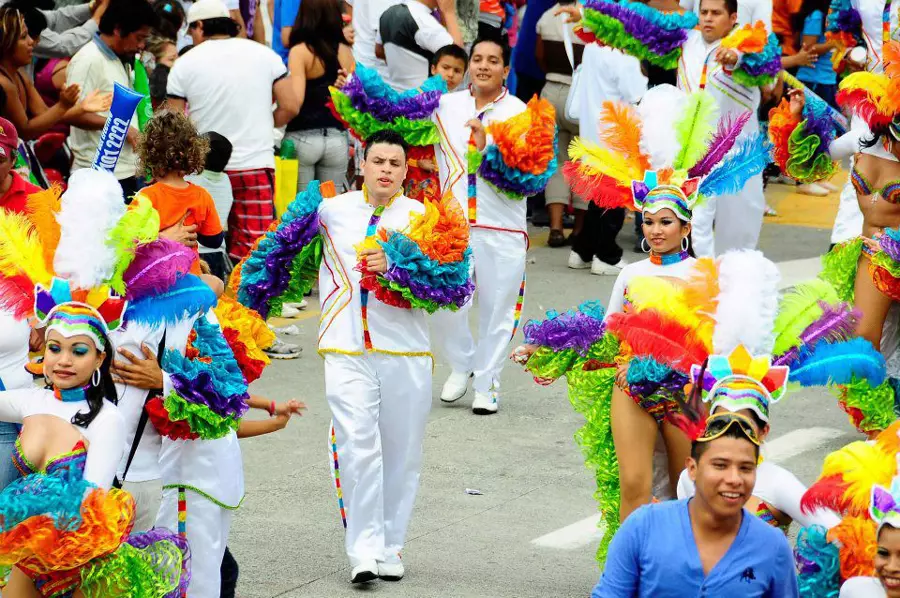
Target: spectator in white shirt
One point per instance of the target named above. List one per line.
(366, 17)
(408, 36)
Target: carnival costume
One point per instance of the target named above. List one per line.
(372, 333)
(61, 523)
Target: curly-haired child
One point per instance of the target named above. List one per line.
(170, 149)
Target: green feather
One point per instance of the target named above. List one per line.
(694, 129)
(138, 226)
(799, 308)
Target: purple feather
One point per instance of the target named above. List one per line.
(837, 323)
(570, 330)
(729, 129)
(658, 39)
(156, 267)
(416, 107)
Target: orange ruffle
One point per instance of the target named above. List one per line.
(442, 232)
(526, 141)
(884, 282)
(781, 124)
(244, 326)
(749, 39)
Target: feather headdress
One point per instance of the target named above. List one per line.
(875, 97)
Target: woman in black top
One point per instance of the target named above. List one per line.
(318, 51)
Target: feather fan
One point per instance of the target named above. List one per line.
(749, 159)
(650, 334)
(839, 363)
(798, 308)
(186, 297)
(727, 132)
(701, 290)
(139, 225)
(603, 161)
(748, 302)
(837, 323)
(658, 138)
(20, 249)
(156, 267)
(826, 493)
(694, 129)
(667, 298)
(620, 131)
(42, 208)
(860, 465)
(17, 296)
(91, 207)
(600, 189)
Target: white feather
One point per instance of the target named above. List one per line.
(658, 139)
(90, 208)
(748, 303)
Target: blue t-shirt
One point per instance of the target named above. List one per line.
(653, 555)
(822, 71)
(285, 15)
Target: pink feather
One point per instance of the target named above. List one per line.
(156, 267)
(729, 129)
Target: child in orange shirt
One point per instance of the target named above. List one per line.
(170, 149)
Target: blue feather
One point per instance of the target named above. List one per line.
(189, 296)
(839, 363)
(749, 159)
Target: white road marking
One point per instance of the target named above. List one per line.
(584, 532)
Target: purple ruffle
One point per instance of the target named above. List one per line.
(890, 246)
(770, 68)
(288, 238)
(571, 330)
(822, 127)
(142, 540)
(659, 40)
(417, 107)
(845, 20)
(673, 383)
(201, 390)
(443, 296)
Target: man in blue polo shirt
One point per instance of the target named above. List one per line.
(707, 546)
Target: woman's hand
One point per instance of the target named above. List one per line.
(181, 233)
(138, 372)
(523, 353)
(342, 77)
(290, 408)
(872, 244)
(96, 102)
(798, 100)
(376, 261)
(69, 95)
(622, 377)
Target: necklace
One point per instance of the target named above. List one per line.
(669, 259)
(71, 395)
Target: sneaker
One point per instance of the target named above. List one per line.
(292, 330)
(289, 312)
(299, 306)
(455, 387)
(813, 189)
(283, 350)
(364, 572)
(601, 268)
(576, 263)
(557, 238)
(392, 571)
(485, 403)
(770, 211)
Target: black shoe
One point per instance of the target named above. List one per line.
(557, 238)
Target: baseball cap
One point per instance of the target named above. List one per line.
(207, 9)
(9, 138)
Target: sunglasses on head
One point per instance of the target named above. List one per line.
(719, 423)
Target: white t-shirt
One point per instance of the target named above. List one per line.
(366, 15)
(606, 74)
(219, 186)
(409, 35)
(95, 66)
(184, 39)
(863, 587)
(14, 335)
(550, 28)
(227, 84)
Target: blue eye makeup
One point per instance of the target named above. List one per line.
(80, 350)
(53, 348)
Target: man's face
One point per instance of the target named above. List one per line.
(451, 71)
(7, 159)
(133, 42)
(725, 475)
(384, 169)
(715, 21)
(486, 67)
(195, 30)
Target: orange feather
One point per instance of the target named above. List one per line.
(620, 131)
(41, 209)
(857, 553)
(702, 288)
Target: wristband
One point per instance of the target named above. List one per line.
(271, 409)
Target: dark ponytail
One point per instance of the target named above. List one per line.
(96, 394)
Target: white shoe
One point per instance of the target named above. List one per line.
(455, 387)
(576, 263)
(601, 268)
(391, 571)
(828, 186)
(303, 304)
(812, 189)
(364, 572)
(289, 312)
(485, 403)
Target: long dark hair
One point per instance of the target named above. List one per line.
(807, 8)
(96, 394)
(320, 26)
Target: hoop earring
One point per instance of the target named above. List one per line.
(684, 243)
(647, 250)
(95, 378)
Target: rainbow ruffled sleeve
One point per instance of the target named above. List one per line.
(637, 29)
(844, 26)
(209, 391)
(247, 335)
(522, 157)
(284, 263)
(801, 146)
(429, 265)
(760, 55)
(366, 104)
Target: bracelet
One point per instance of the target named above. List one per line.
(271, 409)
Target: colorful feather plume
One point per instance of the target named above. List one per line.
(839, 363)
(837, 323)
(749, 159)
(760, 55)
(748, 303)
(21, 252)
(667, 298)
(576, 329)
(620, 131)
(872, 96)
(798, 308)
(139, 225)
(727, 132)
(701, 291)
(17, 295)
(694, 129)
(651, 334)
(156, 267)
(42, 208)
(856, 536)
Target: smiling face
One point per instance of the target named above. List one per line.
(486, 68)
(24, 50)
(70, 362)
(715, 20)
(664, 231)
(887, 560)
(724, 475)
(384, 170)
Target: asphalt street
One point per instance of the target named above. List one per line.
(530, 532)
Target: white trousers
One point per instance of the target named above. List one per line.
(737, 220)
(379, 405)
(499, 280)
(848, 223)
(147, 496)
(207, 526)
